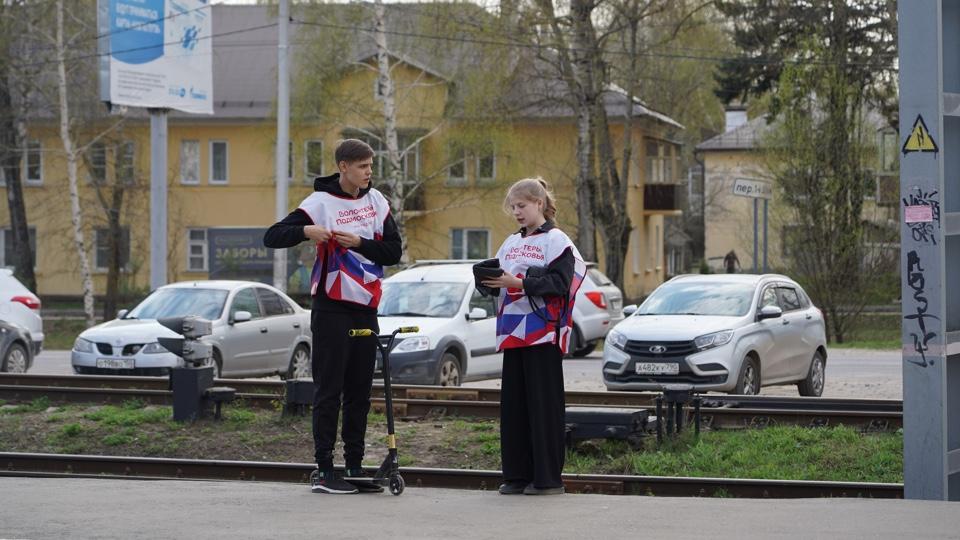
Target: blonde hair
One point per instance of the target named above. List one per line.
(532, 189)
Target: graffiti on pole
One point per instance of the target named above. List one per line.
(916, 280)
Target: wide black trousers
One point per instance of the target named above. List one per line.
(342, 366)
(532, 428)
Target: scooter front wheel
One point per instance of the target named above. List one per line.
(396, 484)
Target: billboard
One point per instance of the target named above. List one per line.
(238, 253)
(159, 54)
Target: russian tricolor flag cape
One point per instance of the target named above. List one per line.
(349, 276)
(520, 322)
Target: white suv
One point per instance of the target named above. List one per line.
(20, 306)
(725, 332)
(457, 341)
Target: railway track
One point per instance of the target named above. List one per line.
(718, 412)
(141, 468)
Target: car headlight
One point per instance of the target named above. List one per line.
(153, 348)
(616, 339)
(82, 345)
(715, 339)
(414, 344)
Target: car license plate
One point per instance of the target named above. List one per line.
(657, 368)
(115, 363)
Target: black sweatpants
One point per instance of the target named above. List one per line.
(532, 427)
(344, 366)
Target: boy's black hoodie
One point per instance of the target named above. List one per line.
(289, 232)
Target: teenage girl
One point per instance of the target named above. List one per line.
(542, 272)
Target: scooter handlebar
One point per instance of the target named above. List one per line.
(360, 332)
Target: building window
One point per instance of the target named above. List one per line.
(457, 171)
(312, 160)
(197, 250)
(289, 161)
(126, 162)
(470, 244)
(7, 239)
(486, 169)
(218, 162)
(190, 162)
(97, 161)
(33, 164)
(102, 245)
(889, 153)
(409, 164)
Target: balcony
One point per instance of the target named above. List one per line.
(661, 197)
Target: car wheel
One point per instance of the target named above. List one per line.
(448, 370)
(216, 362)
(300, 364)
(585, 350)
(15, 360)
(748, 383)
(812, 385)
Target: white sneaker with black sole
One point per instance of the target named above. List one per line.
(327, 482)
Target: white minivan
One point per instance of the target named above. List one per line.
(457, 340)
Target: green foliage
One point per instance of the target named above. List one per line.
(819, 154)
(129, 415)
(837, 453)
(71, 430)
(125, 436)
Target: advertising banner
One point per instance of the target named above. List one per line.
(238, 253)
(160, 54)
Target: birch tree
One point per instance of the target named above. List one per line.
(73, 156)
(334, 52)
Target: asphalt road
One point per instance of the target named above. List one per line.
(850, 373)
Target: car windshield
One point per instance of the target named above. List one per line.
(421, 299)
(699, 298)
(180, 302)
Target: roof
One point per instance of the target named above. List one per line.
(748, 279)
(221, 284)
(745, 137)
(245, 58)
(459, 273)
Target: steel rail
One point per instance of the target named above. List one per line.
(143, 468)
(626, 399)
(723, 417)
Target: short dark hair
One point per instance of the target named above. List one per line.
(351, 150)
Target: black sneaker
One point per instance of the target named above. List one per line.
(512, 488)
(361, 481)
(327, 482)
(534, 490)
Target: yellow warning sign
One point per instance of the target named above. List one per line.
(919, 139)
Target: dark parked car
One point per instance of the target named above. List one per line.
(18, 348)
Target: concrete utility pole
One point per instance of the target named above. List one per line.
(158, 198)
(929, 45)
(283, 138)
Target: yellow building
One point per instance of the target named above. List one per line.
(221, 174)
(736, 155)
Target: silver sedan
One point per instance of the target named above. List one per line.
(257, 331)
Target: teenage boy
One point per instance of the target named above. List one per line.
(356, 237)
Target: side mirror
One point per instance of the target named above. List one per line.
(241, 316)
(477, 314)
(630, 310)
(122, 313)
(769, 312)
